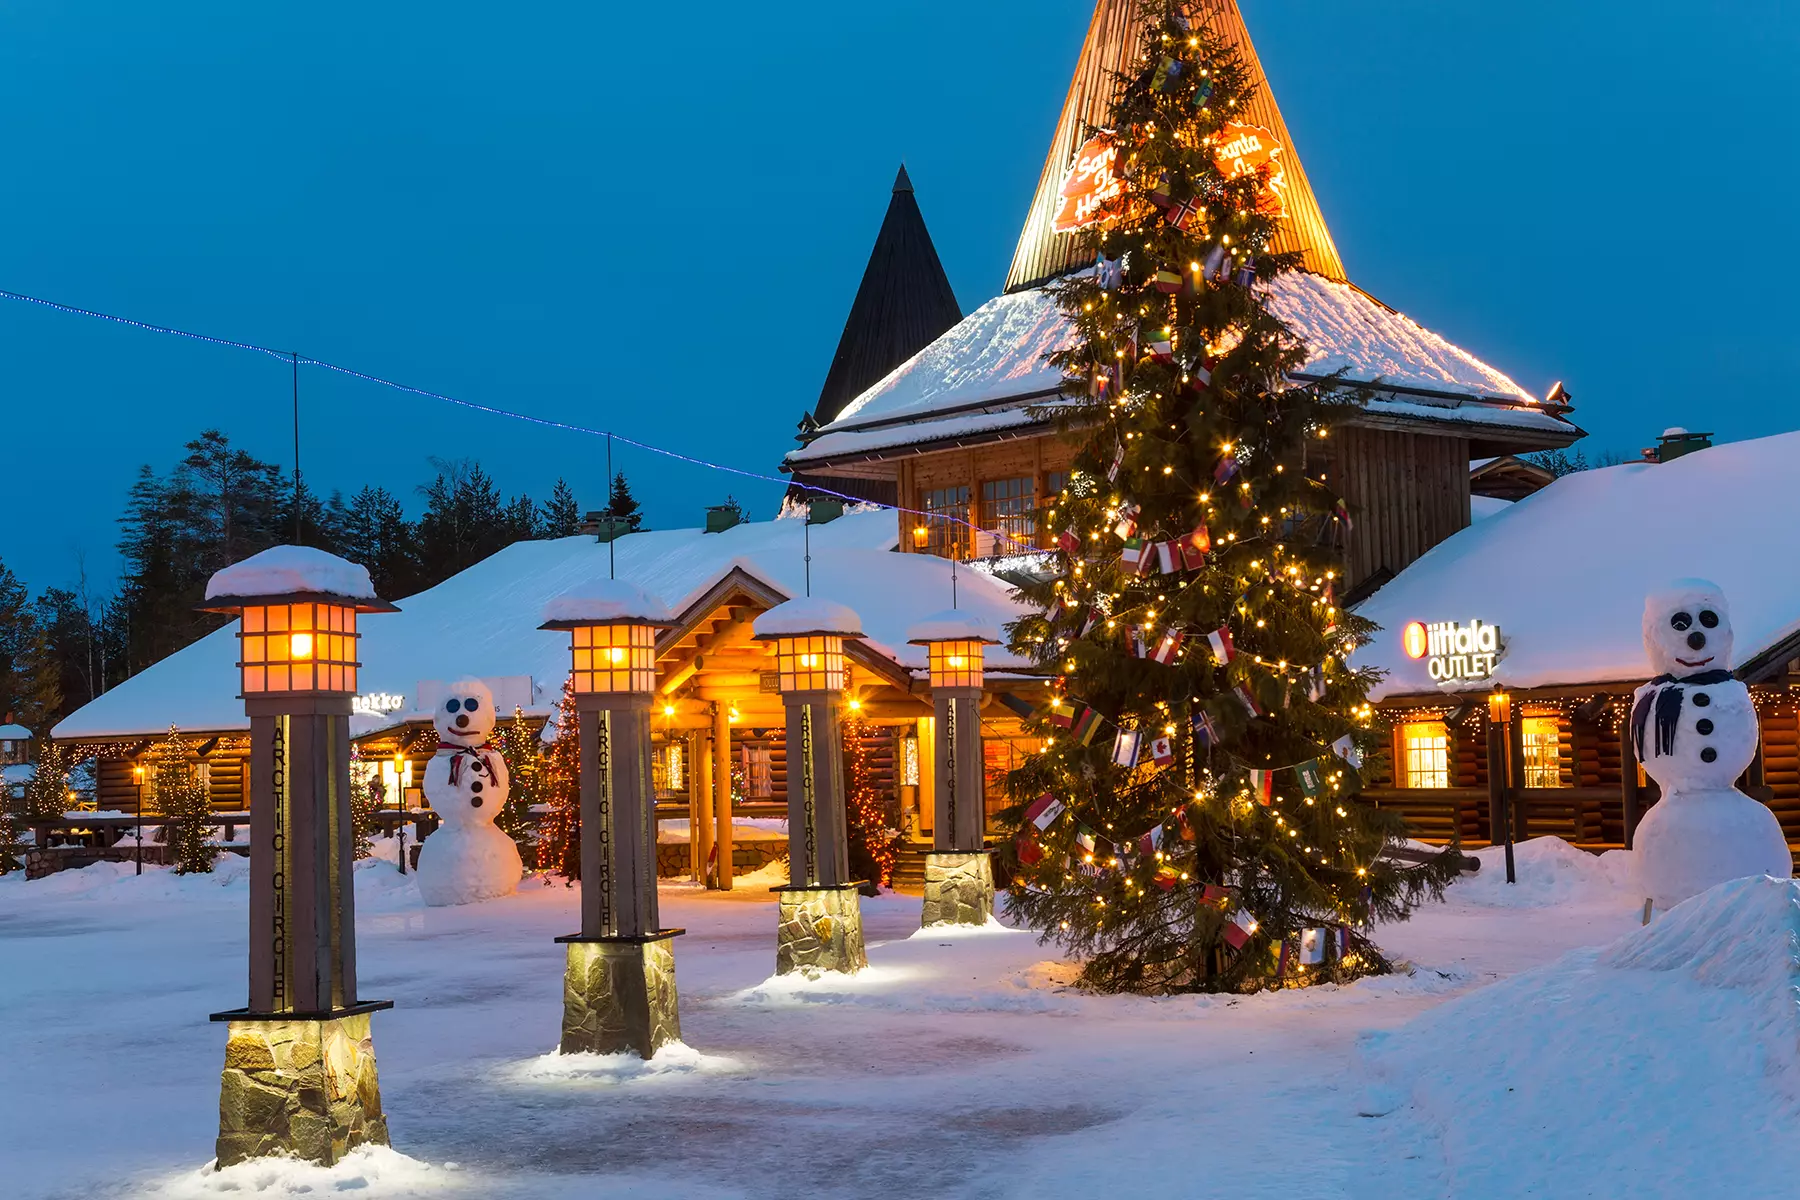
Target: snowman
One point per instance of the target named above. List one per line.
(467, 859)
(1695, 731)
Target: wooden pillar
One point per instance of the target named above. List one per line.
(959, 808)
(700, 786)
(928, 777)
(618, 817)
(818, 842)
(721, 780)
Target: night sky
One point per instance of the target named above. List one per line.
(604, 214)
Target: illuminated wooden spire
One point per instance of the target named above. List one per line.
(1111, 39)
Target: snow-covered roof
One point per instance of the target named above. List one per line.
(978, 378)
(806, 615)
(951, 625)
(484, 621)
(14, 733)
(1483, 507)
(289, 570)
(1564, 572)
(605, 601)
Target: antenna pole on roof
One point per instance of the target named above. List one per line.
(295, 355)
(611, 533)
(953, 581)
(806, 539)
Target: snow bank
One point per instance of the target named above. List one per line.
(1669, 1059)
(1549, 872)
(951, 625)
(368, 1170)
(281, 570)
(809, 615)
(607, 600)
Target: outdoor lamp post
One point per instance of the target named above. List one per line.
(1500, 783)
(400, 804)
(619, 983)
(137, 781)
(959, 875)
(820, 916)
(299, 1074)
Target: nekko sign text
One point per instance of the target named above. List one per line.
(1454, 653)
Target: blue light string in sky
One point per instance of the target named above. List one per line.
(288, 356)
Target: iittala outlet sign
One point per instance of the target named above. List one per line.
(1454, 653)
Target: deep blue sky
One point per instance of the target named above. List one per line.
(601, 213)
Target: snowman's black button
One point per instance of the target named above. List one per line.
(1701, 699)
(476, 785)
(1706, 755)
(1703, 725)
(475, 801)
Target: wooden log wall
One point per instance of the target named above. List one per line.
(1406, 493)
(1781, 769)
(228, 780)
(1036, 458)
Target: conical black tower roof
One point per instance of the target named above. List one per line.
(904, 304)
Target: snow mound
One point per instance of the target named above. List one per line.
(367, 1170)
(285, 570)
(809, 615)
(1668, 1061)
(674, 1061)
(604, 601)
(1550, 872)
(951, 625)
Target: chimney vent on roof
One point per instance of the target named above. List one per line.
(603, 526)
(720, 517)
(1674, 442)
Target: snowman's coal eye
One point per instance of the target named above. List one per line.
(1709, 618)
(471, 704)
(452, 706)
(1681, 620)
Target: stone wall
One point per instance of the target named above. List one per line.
(673, 861)
(821, 930)
(959, 888)
(303, 1088)
(618, 995)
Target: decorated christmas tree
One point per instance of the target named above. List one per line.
(365, 804)
(1191, 823)
(559, 787)
(872, 848)
(183, 798)
(521, 747)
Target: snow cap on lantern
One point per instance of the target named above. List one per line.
(612, 627)
(953, 642)
(1687, 628)
(809, 638)
(296, 608)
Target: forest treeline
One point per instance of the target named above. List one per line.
(220, 504)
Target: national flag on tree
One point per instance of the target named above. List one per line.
(1239, 928)
(1248, 699)
(1087, 724)
(1043, 811)
(1167, 648)
(1084, 837)
(1222, 649)
(1162, 751)
(1206, 731)
(1310, 776)
(1125, 748)
(1262, 786)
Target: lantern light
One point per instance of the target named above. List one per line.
(1499, 707)
(612, 636)
(809, 638)
(296, 608)
(953, 642)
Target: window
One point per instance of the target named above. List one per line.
(668, 771)
(1007, 509)
(1543, 752)
(1424, 755)
(946, 516)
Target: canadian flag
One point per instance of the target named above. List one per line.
(1239, 928)
(1162, 751)
(1222, 649)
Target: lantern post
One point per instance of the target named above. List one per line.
(619, 981)
(299, 1074)
(959, 873)
(820, 915)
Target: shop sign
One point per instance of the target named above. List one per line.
(1454, 653)
(376, 704)
(1248, 149)
(1090, 187)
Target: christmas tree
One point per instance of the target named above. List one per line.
(183, 798)
(521, 747)
(872, 848)
(1190, 823)
(559, 788)
(365, 803)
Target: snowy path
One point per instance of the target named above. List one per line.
(954, 1067)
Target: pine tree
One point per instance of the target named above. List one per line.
(183, 798)
(12, 850)
(561, 515)
(365, 804)
(1196, 791)
(872, 847)
(621, 504)
(559, 837)
(47, 791)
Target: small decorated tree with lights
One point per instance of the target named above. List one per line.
(520, 746)
(872, 849)
(365, 805)
(559, 787)
(183, 798)
(1190, 823)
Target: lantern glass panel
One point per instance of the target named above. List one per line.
(810, 664)
(613, 658)
(955, 664)
(290, 648)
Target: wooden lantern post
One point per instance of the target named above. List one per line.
(619, 982)
(299, 1074)
(959, 874)
(820, 916)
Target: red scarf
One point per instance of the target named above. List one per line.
(480, 752)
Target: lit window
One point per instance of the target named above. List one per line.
(946, 521)
(1543, 752)
(1424, 755)
(1007, 509)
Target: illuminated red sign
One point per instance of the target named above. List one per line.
(1091, 186)
(1413, 638)
(1249, 149)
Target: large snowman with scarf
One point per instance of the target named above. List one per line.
(1695, 731)
(467, 859)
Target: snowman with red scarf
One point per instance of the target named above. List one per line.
(1695, 731)
(467, 859)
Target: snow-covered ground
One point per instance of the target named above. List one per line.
(1514, 1059)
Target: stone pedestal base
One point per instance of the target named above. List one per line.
(821, 930)
(959, 888)
(299, 1087)
(619, 995)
